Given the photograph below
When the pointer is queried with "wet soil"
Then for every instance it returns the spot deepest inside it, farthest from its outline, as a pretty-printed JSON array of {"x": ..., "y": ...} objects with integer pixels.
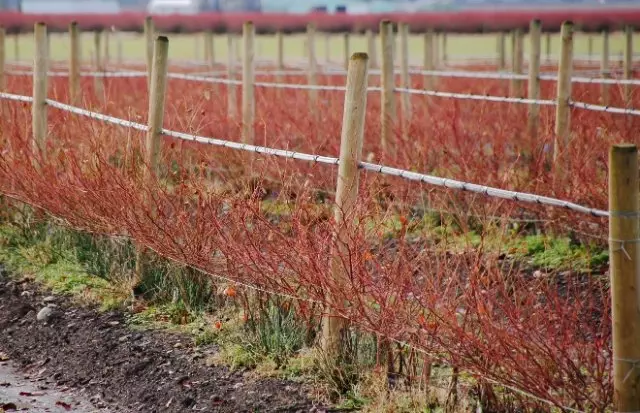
[{"x": 95, "y": 354}]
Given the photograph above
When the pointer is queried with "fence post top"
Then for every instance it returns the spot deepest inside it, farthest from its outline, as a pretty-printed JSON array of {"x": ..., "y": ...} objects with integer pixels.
[
  {"x": 359, "y": 56},
  {"x": 624, "y": 148}
]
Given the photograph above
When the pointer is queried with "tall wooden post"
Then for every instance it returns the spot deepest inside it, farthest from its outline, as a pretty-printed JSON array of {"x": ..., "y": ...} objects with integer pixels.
[
  {"x": 388, "y": 112},
  {"x": 624, "y": 269},
  {"x": 3, "y": 55},
  {"x": 39, "y": 106},
  {"x": 98, "y": 81},
  {"x": 16, "y": 47},
  {"x": 355, "y": 103},
  {"x": 405, "y": 101},
  {"x": 248, "y": 80},
  {"x": 518, "y": 62},
  {"x": 445, "y": 51},
  {"x": 149, "y": 34},
  {"x": 548, "y": 46},
  {"x": 209, "y": 49},
  {"x": 563, "y": 113},
  {"x": 347, "y": 49},
  {"x": 371, "y": 48},
  {"x": 232, "y": 97},
  {"x": 429, "y": 54},
  {"x": 604, "y": 67},
  {"x": 313, "y": 68},
  {"x": 628, "y": 63},
  {"x": 74, "y": 63},
  {"x": 534, "y": 76},
  {"x": 589, "y": 46},
  {"x": 502, "y": 61},
  {"x": 157, "y": 92}
]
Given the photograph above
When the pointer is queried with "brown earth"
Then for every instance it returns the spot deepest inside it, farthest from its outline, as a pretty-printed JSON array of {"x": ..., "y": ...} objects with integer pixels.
[{"x": 94, "y": 353}]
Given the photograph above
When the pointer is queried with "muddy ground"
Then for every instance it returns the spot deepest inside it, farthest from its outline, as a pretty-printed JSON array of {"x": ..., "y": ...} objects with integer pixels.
[{"x": 94, "y": 354}]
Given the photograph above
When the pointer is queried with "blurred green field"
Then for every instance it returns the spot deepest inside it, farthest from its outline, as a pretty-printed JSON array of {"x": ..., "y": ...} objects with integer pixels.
[{"x": 191, "y": 47}]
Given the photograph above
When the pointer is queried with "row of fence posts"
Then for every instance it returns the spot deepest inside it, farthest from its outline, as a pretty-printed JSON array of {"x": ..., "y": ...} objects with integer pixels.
[{"x": 624, "y": 202}]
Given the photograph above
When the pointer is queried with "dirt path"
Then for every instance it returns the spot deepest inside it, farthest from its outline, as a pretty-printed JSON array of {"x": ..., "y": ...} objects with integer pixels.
[{"x": 94, "y": 354}]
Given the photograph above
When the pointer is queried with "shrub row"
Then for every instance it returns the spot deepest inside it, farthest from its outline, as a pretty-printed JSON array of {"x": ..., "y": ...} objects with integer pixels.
[{"x": 470, "y": 21}]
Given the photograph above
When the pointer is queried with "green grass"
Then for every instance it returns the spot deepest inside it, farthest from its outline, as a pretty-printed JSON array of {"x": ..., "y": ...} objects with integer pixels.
[{"x": 191, "y": 46}]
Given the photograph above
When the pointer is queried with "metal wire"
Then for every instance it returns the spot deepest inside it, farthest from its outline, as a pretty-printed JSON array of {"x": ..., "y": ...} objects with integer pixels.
[
  {"x": 600, "y": 108},
  {"x": 476, "y": 97},
  {"x": 381, "y": 169}
]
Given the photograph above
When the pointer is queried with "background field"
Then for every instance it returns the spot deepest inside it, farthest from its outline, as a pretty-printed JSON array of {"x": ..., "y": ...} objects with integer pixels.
[{"x": 191, "y": 46}]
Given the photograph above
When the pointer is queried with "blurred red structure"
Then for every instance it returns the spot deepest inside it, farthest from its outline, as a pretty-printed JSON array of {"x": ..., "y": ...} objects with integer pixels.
[{"x": 469, "y": 21}]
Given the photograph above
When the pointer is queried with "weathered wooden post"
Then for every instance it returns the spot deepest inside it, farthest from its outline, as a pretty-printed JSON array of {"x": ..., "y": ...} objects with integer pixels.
[
  {"x": 149, "y": 34},
  {"x": 563, "y": 109},
  {"x": 232, "y": 97},
  {"x": 371, "y": 48},
  {"x": 628, "y": 64},
  {"x": 74, "y": 63},
  {"x": 604, "y": 67},
  {"x": 388, "y": 112},
  {"x": 518, "y": 62},
  {"x": 3, "y": 55},
  {"x": 502, "y": 61},
  {"x": 624, "y": 270},
  {"x": 355, "y": 102},
  {"x": 313, "y": 68},
  {"x": 157, "y": 93},
  {"x": 429, "y": 54},
  {"x": 248, "y": 80},
  {"x": 39, "y": 106},
  {"x": 405, "y": 101},
  {"x": 98, "y": 81},
  {"x": 534, "y": 77},
  {"x": 347, "y": 49}
]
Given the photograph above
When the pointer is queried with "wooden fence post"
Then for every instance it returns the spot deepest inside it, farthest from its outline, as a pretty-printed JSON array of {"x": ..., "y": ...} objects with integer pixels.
[
  {"x": 232, "y": 97},
  {"x": 157, "y": 92},
  {"x": 628, "y": 64},
  {"x": 604, "y": 67},
  {"x": 548, "y": 46},
  {"x": 518, "y": 62},
  {"x": 405, "y": 101},
  {"x": 429, "y": 51},
  {"x": 107, "y": 48},
  {"x": 347, "y": 50},
  {"x": 355, "y": 102},
  {"x": 624, "y": 257},
  {"x": 3, "y": 57},
  {"x": 387, "y": 79},
  {"x": 119, "y": 51},
  {"x": 563, "y": 110},
  {"x": 149, "y": 32},
  {"x": 98, "y": 81},
  {"x": 248, "y": 80},
  {"x": 74, "y": 63},
  {"x": 371, "y": 48},
  {"x": 209, "y": 52},
  {"x": 534, "y": 76},
  {"x": 589, "y": 47},
  {"x": 16, "y": 47},
  {"x": 502, "y": 61},
  {"x": 39, "y": 106},
  {"x": 445, "y": 53},
  {"x": 313, "y": 68}
]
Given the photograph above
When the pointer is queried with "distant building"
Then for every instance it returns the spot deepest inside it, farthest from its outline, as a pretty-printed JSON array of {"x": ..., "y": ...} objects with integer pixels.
[{"x": 69, "y": 6}]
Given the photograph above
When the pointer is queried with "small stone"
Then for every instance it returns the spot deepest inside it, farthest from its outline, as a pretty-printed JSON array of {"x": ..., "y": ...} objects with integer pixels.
[
  {"x": 177, "y": 345},
  {"x": 238, "y": 385},
  {"x": 123, "y": 338},
  {"x": 51, "y": 305},
  {"x": 538, "y": 274},
  {"x": 197, "y": 356},
  {"x": 26, "y": 293},
  {"x": 49, "y": 299},
  {"x": 114, "y": 323},
  {"x": 44, "y": 314}
]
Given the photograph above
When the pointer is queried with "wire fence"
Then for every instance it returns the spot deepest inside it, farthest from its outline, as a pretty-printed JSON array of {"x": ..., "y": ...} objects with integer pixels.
[
  {"x": 412, "y": 91},
  {"x": 380, "y": 169}
]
